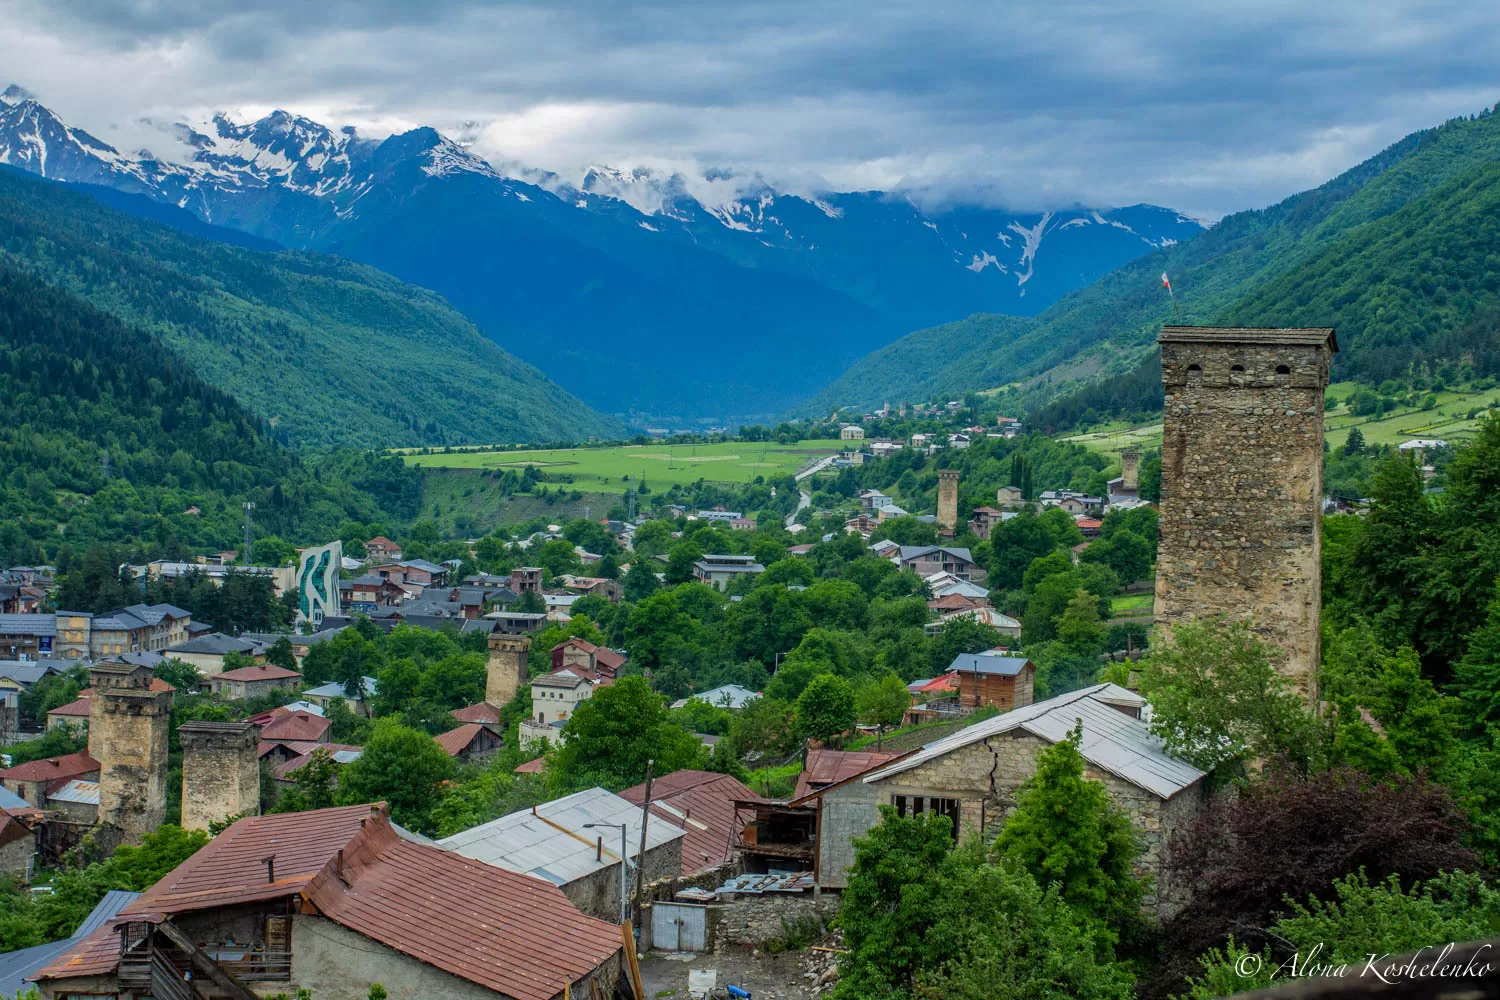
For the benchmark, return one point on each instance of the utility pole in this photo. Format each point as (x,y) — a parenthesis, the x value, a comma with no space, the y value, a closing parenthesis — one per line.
(640,861)
(249,515)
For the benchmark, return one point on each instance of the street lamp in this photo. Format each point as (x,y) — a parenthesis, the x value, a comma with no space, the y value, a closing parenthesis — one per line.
(624,861)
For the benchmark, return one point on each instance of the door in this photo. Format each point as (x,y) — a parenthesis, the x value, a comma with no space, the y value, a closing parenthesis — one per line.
(679,927)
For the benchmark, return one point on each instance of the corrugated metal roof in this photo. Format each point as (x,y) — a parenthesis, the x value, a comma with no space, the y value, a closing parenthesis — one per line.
(988,662)
(828,767)
(553,837)
(1112,741)
(17,966)
(51,768)
(702,803)
(77,790)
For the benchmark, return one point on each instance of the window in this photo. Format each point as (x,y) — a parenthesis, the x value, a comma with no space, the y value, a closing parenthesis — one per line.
(916,805)
(1283,370)
(1236,368)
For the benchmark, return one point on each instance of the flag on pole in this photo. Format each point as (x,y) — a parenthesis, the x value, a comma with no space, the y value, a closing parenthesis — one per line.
(1166,282)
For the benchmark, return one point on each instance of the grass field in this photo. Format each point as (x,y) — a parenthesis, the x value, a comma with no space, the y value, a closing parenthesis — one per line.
(664,465)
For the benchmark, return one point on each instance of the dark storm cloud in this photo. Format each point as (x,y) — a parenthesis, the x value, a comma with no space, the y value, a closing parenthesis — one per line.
(1205,109)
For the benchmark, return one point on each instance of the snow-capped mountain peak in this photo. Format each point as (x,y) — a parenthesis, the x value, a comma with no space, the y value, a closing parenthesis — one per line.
(15,94)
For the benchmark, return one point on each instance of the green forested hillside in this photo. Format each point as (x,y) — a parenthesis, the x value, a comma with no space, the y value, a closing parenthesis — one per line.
(77,386)
(1106,329)
(326,351)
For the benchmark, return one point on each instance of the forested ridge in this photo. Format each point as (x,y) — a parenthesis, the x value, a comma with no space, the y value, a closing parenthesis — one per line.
(106,435)
(329,352)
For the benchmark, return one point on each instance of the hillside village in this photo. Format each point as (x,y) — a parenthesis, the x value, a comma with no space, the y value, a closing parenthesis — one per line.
(702,732)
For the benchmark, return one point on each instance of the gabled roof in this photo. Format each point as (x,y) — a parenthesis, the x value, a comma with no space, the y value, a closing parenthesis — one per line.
(829,767)
(1112,741)
(17,967)
(702,803)
(456,741)
(295,726)
(68,766)
(482,712)
(260,672)
(550,841)
(333,689)
(73,710)
(988,662)
(215,644)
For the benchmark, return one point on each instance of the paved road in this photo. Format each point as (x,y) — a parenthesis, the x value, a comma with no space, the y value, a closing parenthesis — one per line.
(803,502)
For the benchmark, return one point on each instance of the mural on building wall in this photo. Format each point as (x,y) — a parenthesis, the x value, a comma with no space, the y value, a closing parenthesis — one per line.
(318,582)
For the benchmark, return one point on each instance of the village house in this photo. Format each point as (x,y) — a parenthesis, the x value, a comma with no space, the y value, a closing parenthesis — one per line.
(254,682)
(599,664)
(295,725)
(985,519)
(981,613)
(325,694)
(730,696)
(719,571)
(207,652)
(36,780)
(381,549)
(555,695)
(994,678)
(973,775)
(524,578)
(703,804)
(925,560)
(1010,497)
(610,590)
(138,628)
(470,743)
(574,843)
(368,592)
(333,901)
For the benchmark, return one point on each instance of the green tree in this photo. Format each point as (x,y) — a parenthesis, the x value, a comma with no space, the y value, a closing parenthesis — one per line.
(281,655)
(401,766)
(825,709)
(882,703)
(680,562)
(641,581)
(1078,626)
(314,785)
(614,733)
(1477,675)
(1218,700)
(1354,444)
(530,602)
(764,726)
(1067,831)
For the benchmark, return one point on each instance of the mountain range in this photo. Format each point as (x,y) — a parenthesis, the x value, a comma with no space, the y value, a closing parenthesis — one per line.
(1398,253)
(636,294)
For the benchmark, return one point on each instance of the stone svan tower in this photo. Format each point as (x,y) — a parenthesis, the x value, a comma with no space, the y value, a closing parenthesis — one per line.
(507,667)
(220,772)
(1130,470)
(1242,484)
(947,504)
(128,721)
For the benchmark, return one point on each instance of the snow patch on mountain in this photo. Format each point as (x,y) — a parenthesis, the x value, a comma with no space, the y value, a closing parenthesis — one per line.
(1033,237)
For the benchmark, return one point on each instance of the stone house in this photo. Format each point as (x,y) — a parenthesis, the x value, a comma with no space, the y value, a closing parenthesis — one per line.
(254,682)
(554,696)
(704,804)
(18,833)
(73,715)
(925,560)
(598,663)
(381,548)
(973,776)
(325,695)
(35,780)
(332,901)
(574,843)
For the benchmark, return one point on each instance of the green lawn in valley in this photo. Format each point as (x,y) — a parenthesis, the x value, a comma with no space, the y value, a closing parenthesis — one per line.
(1114,438)
(1449,421)
(1125,604)
(725,462)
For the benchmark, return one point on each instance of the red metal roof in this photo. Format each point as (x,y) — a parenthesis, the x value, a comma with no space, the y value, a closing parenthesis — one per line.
(74,709)
(260,672)
(481,712)
(531,766)
(73,765)
(828,767)
(456,741)
(296,726)
(702,803)
(96,955)
(283,770)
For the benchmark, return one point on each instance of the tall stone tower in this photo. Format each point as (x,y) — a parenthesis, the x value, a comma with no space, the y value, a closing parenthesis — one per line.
(947,507)
(507,667)
(1130,471)
(1242,483)
(128,720)
(220,772)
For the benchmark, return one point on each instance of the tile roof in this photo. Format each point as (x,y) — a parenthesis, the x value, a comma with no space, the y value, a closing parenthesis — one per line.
(507,932)
(456,741)
(829,767)
(73,765)
(550,841)
(702,803)
(1112,741)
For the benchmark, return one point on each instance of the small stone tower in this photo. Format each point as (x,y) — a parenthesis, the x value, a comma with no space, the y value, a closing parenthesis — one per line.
(507,667)
(947,506)
(1242,483)
(128,720)
(220,772)
(1130,471)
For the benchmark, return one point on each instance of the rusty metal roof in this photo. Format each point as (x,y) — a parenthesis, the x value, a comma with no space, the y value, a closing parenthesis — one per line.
(73,765)
(829,767)
(456,741)
(479,712)
(702,803)
(296,726)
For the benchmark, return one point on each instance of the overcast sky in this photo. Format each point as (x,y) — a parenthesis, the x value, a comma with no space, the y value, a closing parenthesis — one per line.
(1204,107)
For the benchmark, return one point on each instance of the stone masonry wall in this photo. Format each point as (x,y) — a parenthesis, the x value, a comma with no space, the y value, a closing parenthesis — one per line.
(128,727)
(220,772)
(947,501)
(752,921)
(506,668)
(1242,485)
(985,776)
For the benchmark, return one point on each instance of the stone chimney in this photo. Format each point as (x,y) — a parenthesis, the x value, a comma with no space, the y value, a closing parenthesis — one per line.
(128,723)
(220,772)
(507,667)
(1130,470)
(947,504)
(1242,484)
